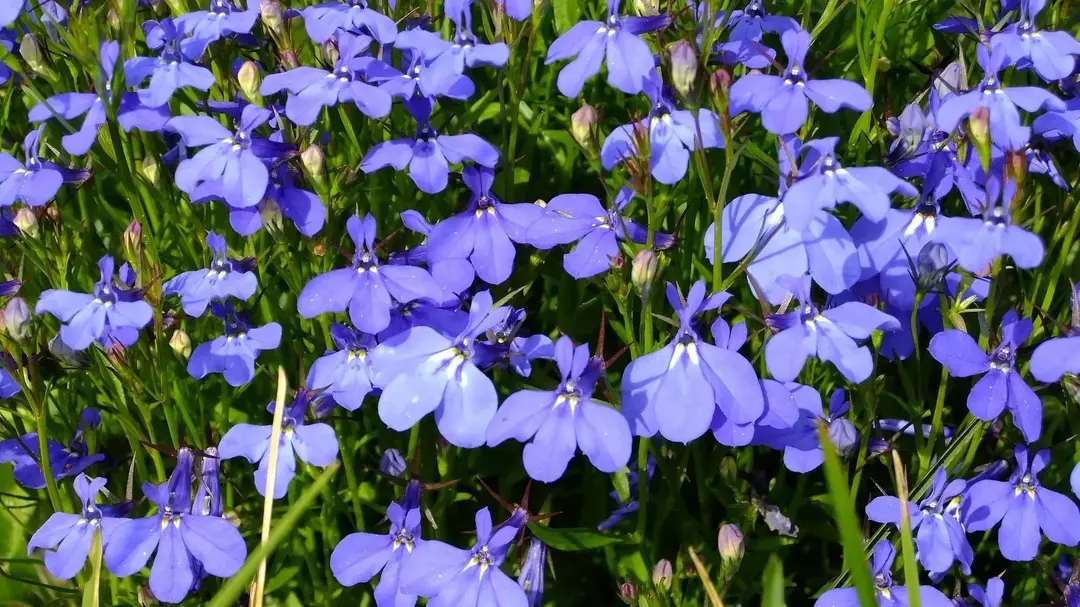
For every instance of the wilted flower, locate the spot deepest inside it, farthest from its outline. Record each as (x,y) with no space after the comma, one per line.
(531,578)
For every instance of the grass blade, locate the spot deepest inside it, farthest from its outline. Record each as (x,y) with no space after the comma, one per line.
(772,594)
(92,588)
(271,474)
(911,569)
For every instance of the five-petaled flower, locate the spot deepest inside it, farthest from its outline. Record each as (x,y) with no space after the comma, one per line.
(225,278)
(234,353)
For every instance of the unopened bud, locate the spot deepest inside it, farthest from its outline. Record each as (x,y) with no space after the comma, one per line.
(151,169)
(628,593)
(330,52)
(64,352)
(392,463)
(719,87)
(146,598)
(180,342)
(643,270)
(249,79)
(319,250)
(273,17)
(30,51)
(843,435)
(313,160)
(581,125)
(979,133)
(26,220)
(9,287)
(647,8)
(932,263)
(662,574)
(729,541)
(684,66)
(270,213)
(17,318)
(133,240)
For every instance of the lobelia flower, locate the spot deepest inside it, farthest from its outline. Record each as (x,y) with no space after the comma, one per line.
(429,154)
(1059,125)
(358,557)
(782,100)
(66,537)
(208,494)
(1023,506)
(392,463)
(305,209)
(531,578)
(37,181)
(888,593)
(672,133)
(312,88)
(454,275)
(1050,54)
(223,20)
(801,443)
(99,316)
(569,217)
(10,11)
(234,353)
(940,537)
(677,389)
(366,288)
(485,232)
(560,421)
(823,183)
(25,454)
(446,60)
(132,113)
(505,347)
(1053,358)
(828,334)
(629,58)
(232,166)
(1001,385)
(1001,102)
(746,27)
(422,371)
(323,20)
(314,444)
(632,504)
(226,277)
(170,70)
(453,577)
(344,375)
(183,539)
(991,596)
(8,386)
(8,41)
(405,83)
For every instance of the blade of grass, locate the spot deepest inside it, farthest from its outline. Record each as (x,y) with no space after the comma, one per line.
(92,588)
(772,594)
(710,589)
(911,569)
(259,589)
(844,513)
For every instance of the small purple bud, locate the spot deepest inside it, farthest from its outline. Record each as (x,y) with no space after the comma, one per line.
(531,579)
(17,318)
(133,240)
(684,67)
(662,574)
(843,435)
(581,125)
(9,287)
(90,418)
(877,446)
(933,263)
(392,463)
(729,541)
(208,496)
(628,593)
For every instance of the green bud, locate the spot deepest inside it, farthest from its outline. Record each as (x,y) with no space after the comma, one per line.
(30,51)
(313,160)
(643,270)
(151,169)
(249,79)
(273,17)
(180,342)
(581,125)
(26,220)
(979,132)
(684,67)
(17,318)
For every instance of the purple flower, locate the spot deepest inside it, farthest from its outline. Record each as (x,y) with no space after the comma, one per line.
(991,596)
(8,386)
(366,288)
(446,60)
(569,217)
(485,233)
(455,274)
(24,453)
(232,165)
(1054,358)
(1059,125)
(673,134)
(234,353)
(344,375)
(422,371)
(66,537)
(453,577)
(358,557)
(224,19)
(37,181)
(629,58)
(801,443)
(782,100)
(677,389)
(8,41)
(565,419)
(824,183)
(208,494)
(170,70)
(531,578)
(98,316)
(182,539)
(940,538)
(1050,54)
(406,83)
(1023,507)
(1001,385)
(888,593)
(225,278)
(828,334)
(746,27)
(314,444)
(312,88)
(10,11)
(131,114)
(505,346)
(323,20)
(300,206)
(429,155)
(1001,102)
(632,504)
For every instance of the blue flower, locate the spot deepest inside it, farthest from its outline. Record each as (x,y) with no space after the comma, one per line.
(422,371)
(406,83)
(8,41)
(37,181)
(531,578)
(24,453)
(234,353)
(992,595)
(169,71)
(10,11)
(802,443)
(98,316)
(673,134)
(314,444)
(446,60)
(183,539)
(1056,357)
(305,209)
(66,537)
(225,278)
(637,489)
(344,375)
(224,19)
(506,347)
(560,421)
(323,20)
(888,593)
(629,58)
(366,287)
(1050,53)
(782,100)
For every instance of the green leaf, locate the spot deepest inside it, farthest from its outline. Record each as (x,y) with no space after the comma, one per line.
(92,588)
(567,13)
(772,592)
(573,540)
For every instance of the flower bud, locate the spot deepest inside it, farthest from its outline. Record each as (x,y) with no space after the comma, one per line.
(249,79)
(843,435)
(30,51)
(329,51)
(647,8)
(9,287)
(146,598)
(1072,386)
(392,463)
(314,162)
(531,579)
(17,318)
(662,574)
(151,169)
(180,342)
(684,66)
(729,541)
(643,270)
(65,353)
(932,264)
(270,213)
(273,17)
(133,240)
(581,125)
(628,593)
(27,221)
(979,132)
